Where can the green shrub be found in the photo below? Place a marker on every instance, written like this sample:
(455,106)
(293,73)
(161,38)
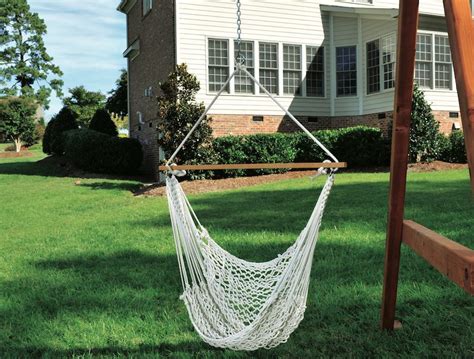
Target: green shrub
(97,152)
(424,145)
(454,150)
(458,147)
(53,139)
(261,148)
(359,146)
(102,122)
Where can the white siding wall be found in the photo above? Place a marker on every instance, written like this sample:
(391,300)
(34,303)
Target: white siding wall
(426,6)
(283,22)
(276,21)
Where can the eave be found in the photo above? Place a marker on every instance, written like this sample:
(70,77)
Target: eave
(126,5)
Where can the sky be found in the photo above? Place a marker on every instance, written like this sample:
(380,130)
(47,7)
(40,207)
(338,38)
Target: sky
(86,38)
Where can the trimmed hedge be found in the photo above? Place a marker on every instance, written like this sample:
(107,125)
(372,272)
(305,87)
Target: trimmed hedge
(264,148)
(97,152)
(53,139)
(453,148)
(359,146)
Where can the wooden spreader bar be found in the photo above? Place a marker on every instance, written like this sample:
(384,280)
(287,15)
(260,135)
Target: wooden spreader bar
(254,166)
(450,258)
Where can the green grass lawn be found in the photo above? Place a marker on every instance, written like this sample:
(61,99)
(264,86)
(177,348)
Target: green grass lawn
(90,270)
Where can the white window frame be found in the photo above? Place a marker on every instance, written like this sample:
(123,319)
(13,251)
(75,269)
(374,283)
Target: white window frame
(230,63)
(256,52)
(299,71)
(357,94)
(278,69)
(250,69)
(306,70)
(382,88)
(433,64)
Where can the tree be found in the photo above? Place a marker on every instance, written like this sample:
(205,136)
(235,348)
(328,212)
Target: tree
(102,122)
(17,120)
(117,102)
(53,141)
(424,132)
(178,111)
(26,69)
(84,104)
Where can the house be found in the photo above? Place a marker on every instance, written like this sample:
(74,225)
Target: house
(331,63)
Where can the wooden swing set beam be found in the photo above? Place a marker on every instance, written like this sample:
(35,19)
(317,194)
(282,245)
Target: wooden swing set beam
(254,166)
(450,258)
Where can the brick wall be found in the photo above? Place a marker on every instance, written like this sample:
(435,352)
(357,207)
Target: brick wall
(155,32)
(224,125)
(244,125)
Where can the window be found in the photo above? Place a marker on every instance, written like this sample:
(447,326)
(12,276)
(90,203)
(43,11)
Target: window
(147,5)
(269,66)
(434,68)
(243,83)
(373,66)
(389,56)
(218,63)
(291,69)
(443,68)
(315,71)
(423,68)
(346,71)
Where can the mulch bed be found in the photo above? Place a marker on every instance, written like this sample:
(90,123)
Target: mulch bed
(204,186)
(16,154)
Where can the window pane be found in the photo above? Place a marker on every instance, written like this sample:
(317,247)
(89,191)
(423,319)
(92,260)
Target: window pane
(217,77)
(389,57)
(246,49)
(243,83)
(315,74)
(443,76)
(423,74)
(291,57)
(268,56)
(291,82)
(424,46)
(373,67)
(269,80)
(218,53)
(218,59)
(346,71)
(291,69)
(442,49)
(269,66)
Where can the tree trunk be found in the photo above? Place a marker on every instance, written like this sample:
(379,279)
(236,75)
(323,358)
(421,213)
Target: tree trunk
(17,142)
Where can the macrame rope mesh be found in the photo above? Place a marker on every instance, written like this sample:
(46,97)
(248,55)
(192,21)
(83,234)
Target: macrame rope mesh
(237,304)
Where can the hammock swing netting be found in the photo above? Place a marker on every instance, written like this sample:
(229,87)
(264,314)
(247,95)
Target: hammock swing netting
(233,303)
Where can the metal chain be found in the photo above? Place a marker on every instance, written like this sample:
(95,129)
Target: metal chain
(240,59)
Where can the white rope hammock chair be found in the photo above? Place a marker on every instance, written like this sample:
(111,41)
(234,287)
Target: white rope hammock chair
(233,303)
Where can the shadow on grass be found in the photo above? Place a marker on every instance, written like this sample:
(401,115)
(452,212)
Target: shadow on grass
(54,166)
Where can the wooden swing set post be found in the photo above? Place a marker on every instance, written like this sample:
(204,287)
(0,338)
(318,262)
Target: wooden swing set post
(450,258)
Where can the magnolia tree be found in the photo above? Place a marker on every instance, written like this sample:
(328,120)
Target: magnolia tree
(17,120)
(178,112)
